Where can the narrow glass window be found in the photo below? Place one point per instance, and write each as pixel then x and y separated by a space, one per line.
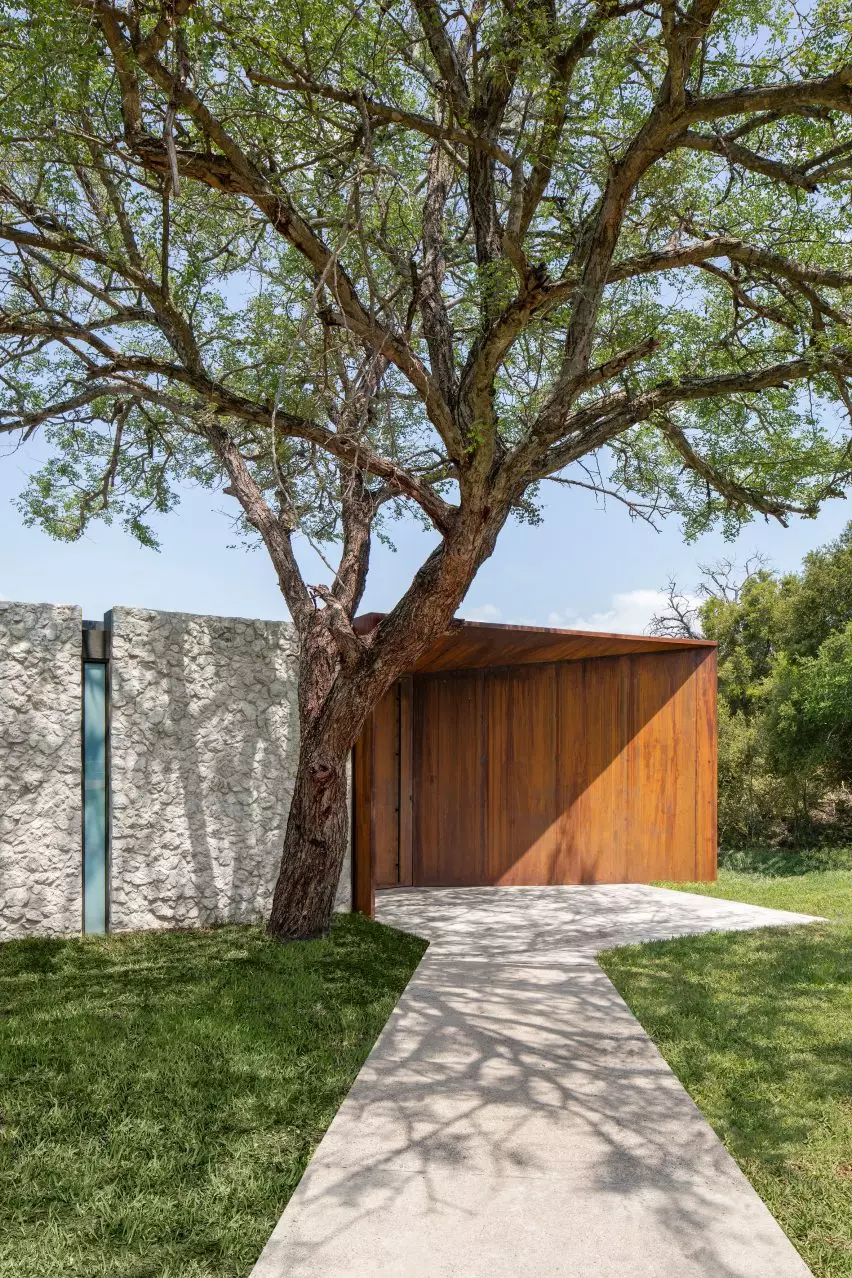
pixel 94 796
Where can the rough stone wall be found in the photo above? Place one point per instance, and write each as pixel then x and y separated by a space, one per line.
pixel 203 754
pixel 204 735
pixel 40 770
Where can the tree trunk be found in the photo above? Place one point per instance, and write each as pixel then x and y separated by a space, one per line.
pixel 314 845
pixel 335 698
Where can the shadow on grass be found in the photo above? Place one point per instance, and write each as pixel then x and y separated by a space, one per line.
pixel 784 862
pixel 162 1093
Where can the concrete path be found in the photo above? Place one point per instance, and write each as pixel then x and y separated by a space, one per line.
pixel 515 1121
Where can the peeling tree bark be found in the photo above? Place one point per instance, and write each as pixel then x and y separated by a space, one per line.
pixel 314 845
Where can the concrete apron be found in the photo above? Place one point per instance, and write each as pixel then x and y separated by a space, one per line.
pixel 514 1118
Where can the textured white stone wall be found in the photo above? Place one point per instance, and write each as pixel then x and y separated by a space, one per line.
pixel 204 735
pixel 40 770
pixel 203 754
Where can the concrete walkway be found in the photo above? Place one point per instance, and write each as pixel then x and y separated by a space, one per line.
pixel 514 1120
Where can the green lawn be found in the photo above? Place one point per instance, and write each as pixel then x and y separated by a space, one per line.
pixel 758 1026
pixel 161 1093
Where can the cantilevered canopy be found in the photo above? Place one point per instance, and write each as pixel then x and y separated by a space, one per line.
pixel 472 645
pixel 475 644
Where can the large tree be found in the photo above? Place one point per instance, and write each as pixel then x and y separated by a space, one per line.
pixel 351 256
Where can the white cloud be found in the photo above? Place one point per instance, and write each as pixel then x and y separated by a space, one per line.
pixel 484 612
pixel 629 613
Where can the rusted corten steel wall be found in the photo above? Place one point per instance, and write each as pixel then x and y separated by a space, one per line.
pixel 591 770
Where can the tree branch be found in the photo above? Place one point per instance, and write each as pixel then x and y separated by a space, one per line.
pixel 357 510
pixel 274 532
pixel 285 219
pixel 29 422
pixel 595 424
pixel 444 54
pixel 779 99
pixel 735 250
pixel 443 132
pixel 436 321
pixel 352 649
pixel 735 154
pixel 737 494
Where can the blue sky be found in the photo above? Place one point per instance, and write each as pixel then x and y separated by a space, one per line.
pixel 585 566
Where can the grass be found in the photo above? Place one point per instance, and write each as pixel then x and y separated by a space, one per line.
pixel 161 1093
pixel 758 1027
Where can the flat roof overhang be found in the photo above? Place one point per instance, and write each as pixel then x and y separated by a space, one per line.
pixel 472 645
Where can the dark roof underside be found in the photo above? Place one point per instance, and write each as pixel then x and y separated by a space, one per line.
pixel 473 644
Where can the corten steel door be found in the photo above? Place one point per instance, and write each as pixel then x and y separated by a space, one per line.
pixel 589 771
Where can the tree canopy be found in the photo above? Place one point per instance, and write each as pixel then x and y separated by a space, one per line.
pixel 528 231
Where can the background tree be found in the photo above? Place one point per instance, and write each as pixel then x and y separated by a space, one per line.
pixel 785 693
pixel 805 704
pixel 683 615
pixel 352 254
pixel 808 708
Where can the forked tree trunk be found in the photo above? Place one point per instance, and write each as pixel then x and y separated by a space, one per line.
pixel 314 846
pixel 334 703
